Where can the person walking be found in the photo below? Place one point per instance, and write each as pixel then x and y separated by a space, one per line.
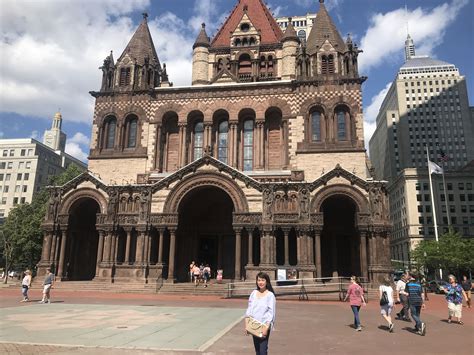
pixel 415 295
pixel 454 296
pixel 47 285
pixel 25 285
pixel 404 313
pixel 196 274
pixel 386 302
pixel 262 307
pixel 206 274
pixel 191 274
pixel 466 286
pixel 355 294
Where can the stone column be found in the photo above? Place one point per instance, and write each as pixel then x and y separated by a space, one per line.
pixel 182 145
pixel 287 247
pixel 100 250
pixel 363 253
pixel 158 149
pixel 263 248
pixel 127 247
pixel 61 269
pixel 250 250
pixel 114 247
pixel 207 141
pixel 260 143
pixel 285 144
pixel 272 249
pixel 310 249
pixel 373 249
pixel 238 253
pixel 233 144
pixel 46 251
pixel 317 242
pixel 52 251
pixel 160 247
pixel 139 249
pixel 172 255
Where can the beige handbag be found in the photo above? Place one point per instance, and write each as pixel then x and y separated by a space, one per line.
pixel 255 327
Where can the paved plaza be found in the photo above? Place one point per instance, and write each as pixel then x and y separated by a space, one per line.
pixel 95 323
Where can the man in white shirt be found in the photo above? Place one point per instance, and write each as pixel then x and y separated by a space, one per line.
pixel 402 298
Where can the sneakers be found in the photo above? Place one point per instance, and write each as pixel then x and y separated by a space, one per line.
pixel 41 301
pixel 358 329
pixel 390 328
pixel 423 329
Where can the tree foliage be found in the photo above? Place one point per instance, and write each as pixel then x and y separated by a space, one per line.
pixel 452 253
pixel 21 234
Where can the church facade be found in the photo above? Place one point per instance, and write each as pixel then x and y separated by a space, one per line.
pixel 259 165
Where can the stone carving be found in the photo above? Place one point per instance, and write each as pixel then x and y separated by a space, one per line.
pixel 304 203
pixel 112 205
pixel 268 200
pixel 144 203
pixel 252 219
pixel 54 200
pixel 317 219
pixel 378 206
pixel 286 202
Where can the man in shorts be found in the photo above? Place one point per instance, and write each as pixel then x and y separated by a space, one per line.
pixel 47 285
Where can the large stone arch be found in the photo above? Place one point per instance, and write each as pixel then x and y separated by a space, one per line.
pixel 202 179
pixel 83 193
pixel 165 109
pixel 281 104
pixel 353 193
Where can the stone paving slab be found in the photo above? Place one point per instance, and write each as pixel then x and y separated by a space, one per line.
pixel 118 326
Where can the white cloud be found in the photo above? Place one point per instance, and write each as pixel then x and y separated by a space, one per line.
pixel 371 112
pixel 51 52
pixel 34 135
pixel 80 138
pixel 76 151
pixel 385 38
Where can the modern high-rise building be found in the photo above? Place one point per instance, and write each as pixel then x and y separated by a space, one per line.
pixel 425 110
pixel 26 165
pixel 302 24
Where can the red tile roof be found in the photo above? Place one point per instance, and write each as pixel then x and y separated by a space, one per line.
pixel 260 17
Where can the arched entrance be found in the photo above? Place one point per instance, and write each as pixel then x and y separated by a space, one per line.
pixel 83 240
pixel 340 241
pixel 205 232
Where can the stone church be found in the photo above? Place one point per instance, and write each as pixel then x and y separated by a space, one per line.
pixel 259 165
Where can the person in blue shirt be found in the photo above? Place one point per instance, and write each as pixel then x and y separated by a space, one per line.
pixel 261 306
pixel 416 297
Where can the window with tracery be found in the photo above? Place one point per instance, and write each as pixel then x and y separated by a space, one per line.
pixel 198 140
pixel 131 131
pixel 109 130
pixel 248 145
pixel 222 141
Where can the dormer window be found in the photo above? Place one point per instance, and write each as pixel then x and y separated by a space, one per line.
pixel 124 76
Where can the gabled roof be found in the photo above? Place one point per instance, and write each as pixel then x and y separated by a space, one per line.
pixel 206 160
pixel 141 45
pixel 258 14
pixel 85 176
pixel 324 29
pixel 337 172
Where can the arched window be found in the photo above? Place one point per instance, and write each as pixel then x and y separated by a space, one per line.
pixel 238 42
pixel 198 140
pixel 270 64
pixel 248 145
pixel 124 76
pixel 131 130
pixel 109 130
pixel 252 41
pixel 222 141
pixel 331 64
pixel 324 64
pixel 245 42
pixel 245 65
pixel 341 125
pixel 316 126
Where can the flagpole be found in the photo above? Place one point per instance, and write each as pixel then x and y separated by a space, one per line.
pixel 433 207
pixel 446 200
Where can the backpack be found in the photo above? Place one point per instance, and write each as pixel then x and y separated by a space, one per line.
pixel 384 299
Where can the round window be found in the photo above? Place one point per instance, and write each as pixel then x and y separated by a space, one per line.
pixel 244 27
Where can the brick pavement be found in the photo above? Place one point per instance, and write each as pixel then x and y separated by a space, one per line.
pixel 301 328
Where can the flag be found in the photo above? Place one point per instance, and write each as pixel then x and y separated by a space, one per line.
pixel 435 168
pixel 443 157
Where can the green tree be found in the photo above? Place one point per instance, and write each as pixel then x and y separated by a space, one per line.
pixel 452 253
pixel 21 234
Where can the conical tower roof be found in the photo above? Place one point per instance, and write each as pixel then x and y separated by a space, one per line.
pixel 202 39
pixel 141 45
pixel 324 29
pixel 290 32
pixel 260 17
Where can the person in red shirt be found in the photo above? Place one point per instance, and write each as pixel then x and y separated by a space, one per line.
pixel 355 294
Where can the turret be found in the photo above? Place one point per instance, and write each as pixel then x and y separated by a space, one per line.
pixel 201 58
pixel 409 48
pixel 290 42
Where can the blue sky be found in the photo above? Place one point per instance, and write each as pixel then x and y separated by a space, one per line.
pixel 51 50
